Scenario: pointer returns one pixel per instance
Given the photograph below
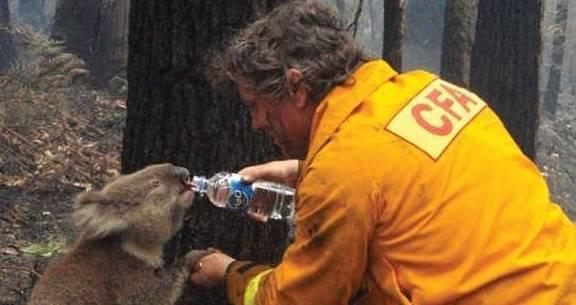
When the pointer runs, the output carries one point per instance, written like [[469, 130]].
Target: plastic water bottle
[[262, 199]]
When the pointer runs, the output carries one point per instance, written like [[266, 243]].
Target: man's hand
[[210, 271], [285, 171]]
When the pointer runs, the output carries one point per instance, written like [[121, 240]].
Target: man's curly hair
[[304, 35]]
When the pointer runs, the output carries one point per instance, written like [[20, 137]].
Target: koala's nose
[[181, 173]]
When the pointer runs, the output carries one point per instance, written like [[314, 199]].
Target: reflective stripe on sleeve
[[252, 288]]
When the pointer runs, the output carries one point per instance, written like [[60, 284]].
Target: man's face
[[286, 120]]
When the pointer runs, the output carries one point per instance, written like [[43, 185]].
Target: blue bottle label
[[240, 195]]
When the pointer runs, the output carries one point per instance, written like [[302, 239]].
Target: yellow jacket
[[414, 193]]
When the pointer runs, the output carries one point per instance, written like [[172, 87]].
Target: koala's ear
[[95, 217], [90, 197]]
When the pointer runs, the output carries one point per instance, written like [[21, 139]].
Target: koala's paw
[[194, 256]]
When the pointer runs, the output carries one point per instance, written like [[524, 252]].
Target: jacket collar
[[341, 101]]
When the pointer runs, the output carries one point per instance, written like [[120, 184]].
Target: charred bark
[[393, 33], [77, 24], [458, 40], [97, 31], [7, 52], [504, 68], [174, 115], [555, 74], [111, 41]]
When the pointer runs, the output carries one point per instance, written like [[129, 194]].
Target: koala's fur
[[118, 256]]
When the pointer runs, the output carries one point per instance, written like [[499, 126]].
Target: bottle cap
[[199, 184]]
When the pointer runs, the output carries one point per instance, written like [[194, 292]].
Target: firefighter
[[410, 189]]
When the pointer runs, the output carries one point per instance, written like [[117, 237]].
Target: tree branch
[[354, 23]]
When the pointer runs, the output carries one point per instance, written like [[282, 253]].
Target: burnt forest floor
[[59, 135]]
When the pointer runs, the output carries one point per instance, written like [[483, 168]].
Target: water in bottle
[[261, 199]]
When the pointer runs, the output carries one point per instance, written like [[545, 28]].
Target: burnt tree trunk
[[32, 13], [504, 67], [341, 6], [458, 40], [7, 52], [173, 115], [375, 8], [97, 31], [77, 24], [111, 41], [393, 33], [558, 42], [4, 14]]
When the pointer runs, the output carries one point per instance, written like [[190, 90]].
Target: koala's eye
[[155, 183]]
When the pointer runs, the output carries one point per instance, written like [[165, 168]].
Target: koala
[[117, 258]]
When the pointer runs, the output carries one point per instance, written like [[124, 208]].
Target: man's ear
[[297, 88]]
